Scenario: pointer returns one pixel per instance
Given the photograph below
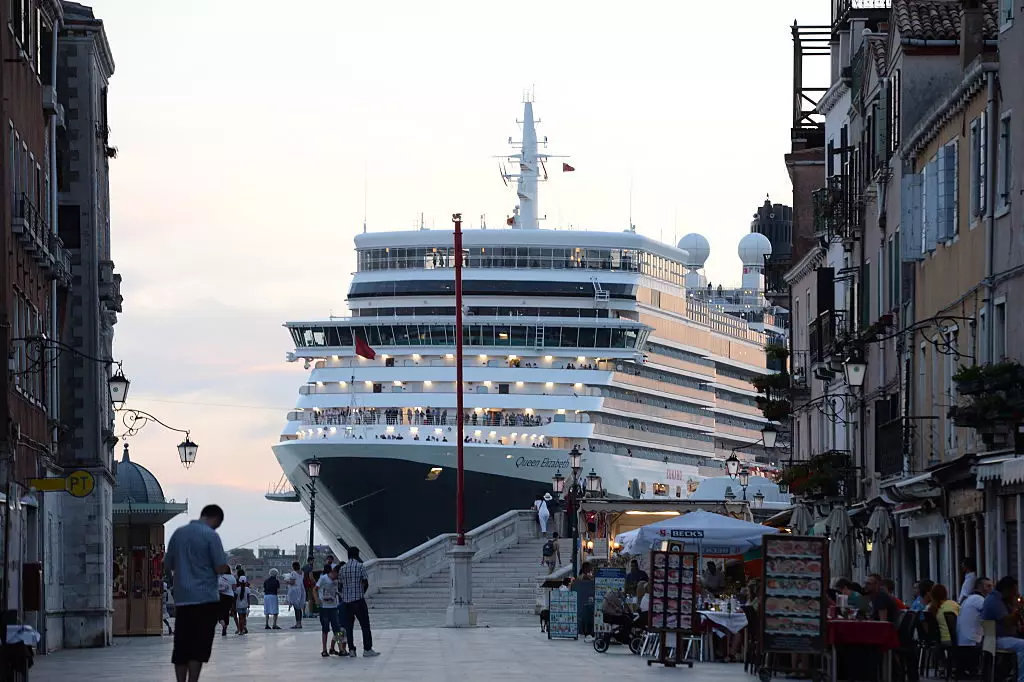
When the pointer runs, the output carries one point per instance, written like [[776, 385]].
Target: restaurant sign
[[926, 526]]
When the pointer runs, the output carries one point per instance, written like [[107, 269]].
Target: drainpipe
[[992, 129], [54, 401]]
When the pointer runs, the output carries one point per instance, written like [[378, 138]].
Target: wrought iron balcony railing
[[837, 210]]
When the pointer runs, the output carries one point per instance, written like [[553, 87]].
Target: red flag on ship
[[363, 349], [510, 221], [566, 168]]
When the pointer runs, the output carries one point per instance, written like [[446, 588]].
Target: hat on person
[[547, 497], [242, 579], [273, 572]]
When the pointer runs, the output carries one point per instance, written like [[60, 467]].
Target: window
[[894, 110], [978, 169], [1005, 11], [946, 183], [655, 298], [929, 205], [1004, 178], [999, 331]]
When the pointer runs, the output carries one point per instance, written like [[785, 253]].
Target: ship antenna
[[365, 194], [632, 227]]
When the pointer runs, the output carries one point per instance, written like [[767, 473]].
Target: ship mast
[[531, 171]]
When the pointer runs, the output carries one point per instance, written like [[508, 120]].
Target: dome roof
[[697, 249], [713, 489], [136, 483], [753, 248]]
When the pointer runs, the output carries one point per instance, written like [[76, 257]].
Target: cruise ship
[[572, 338]]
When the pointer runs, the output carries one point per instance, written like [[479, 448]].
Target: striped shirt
[[351, 577]]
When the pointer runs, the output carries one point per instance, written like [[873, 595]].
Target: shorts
[[227, 607], [330, 619], [193, 634], [242, 610]]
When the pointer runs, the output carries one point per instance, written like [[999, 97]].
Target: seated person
[[614, 611], [1002, 607], [713, 579], [940, 605]]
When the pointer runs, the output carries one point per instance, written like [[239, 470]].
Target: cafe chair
[[957, 657], [931, 654], [993, 659], [906, 658]]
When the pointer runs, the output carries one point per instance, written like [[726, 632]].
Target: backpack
[[549, 549]]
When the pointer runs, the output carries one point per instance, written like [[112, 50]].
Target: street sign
[[77, 483]]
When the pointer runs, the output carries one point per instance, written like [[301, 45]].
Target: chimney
[[972, 36]]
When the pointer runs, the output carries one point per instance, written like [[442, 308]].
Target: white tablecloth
[[24, 634], [733, 622]]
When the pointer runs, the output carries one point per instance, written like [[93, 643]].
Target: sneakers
[[369, 653], [352, 653]]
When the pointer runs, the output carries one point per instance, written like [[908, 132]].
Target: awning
[[1013, 470], [780, 520], [913, 479], [991, 468], [907, 508]]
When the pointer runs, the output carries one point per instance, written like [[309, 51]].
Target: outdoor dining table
[[876, 635], [722, 622]]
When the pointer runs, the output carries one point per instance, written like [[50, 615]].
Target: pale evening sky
[[245, 130]]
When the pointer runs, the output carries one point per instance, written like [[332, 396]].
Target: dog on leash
[[545, 620]]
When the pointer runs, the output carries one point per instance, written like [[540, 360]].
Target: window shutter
[[954, 187], [882, 125], [910, 220], [865, 296], [982, 163], [931, 206]]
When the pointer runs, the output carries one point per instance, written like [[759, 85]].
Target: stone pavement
[[421, 654]]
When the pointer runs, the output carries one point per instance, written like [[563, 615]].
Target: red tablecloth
[[863, 632]]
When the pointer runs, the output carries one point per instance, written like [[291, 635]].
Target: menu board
[[606, 580], [793, 598], [562, 615], [673, 588]]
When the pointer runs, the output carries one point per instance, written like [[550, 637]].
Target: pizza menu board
[[793, 597], [673, 588], [562, 615], [606, 580]]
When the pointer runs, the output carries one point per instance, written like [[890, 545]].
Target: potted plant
[[776, 351], [970, 380], [778, 381], [774, 410]]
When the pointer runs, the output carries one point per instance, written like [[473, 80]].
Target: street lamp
[[313, 469], [769, 436], [744, 480], [118, 385], [135, 420], [576, 488], [783, 487], [187, 451], [558, 482], [732, 466], [855, 370], [575, 459], [729, 494], [758, 501], [594, 486]]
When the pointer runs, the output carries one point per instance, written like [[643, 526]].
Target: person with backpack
[[549, 553]]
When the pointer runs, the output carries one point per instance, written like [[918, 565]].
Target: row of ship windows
[[491, 311], [521, 257], [630, 396], [486, 287], [473, 335], [668, 351], [623, 422]]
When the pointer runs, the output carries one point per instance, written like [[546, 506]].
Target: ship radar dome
[[753, 248], [697, 248]]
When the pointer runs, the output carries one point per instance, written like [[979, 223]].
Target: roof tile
[[938, 19]]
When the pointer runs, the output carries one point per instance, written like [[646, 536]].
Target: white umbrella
[[800, 522], [880, 526], [838, 523]]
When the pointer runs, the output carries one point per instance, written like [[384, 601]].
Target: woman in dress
[[242, 603], [296, 593], [270, 603], [543, 513]]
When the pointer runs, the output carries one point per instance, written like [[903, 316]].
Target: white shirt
[[968, 623], [328, 591], [226, 584], [645, 602], [968, 586]]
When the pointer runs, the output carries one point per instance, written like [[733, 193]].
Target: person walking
[[195, 557], [354, 584], [543, 513], [296, 593], [271, 607], [242, 593], [550, 553], [325, 592], [226, 587]]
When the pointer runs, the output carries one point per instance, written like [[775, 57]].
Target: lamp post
[[135, 420], [744, 478], [769, 436], [758, 500], [855, 370], [313, 468], [732, 466], [575, 489]]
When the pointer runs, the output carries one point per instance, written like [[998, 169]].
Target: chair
[[956, 655], [931, 653], [991, 656], [906, 657], [752, 644]]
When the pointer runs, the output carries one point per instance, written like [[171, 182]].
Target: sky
[[254, 140]]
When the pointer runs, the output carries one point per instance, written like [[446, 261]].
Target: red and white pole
[[459, 438]]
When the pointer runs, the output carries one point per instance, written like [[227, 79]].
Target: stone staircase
[[504, 591]]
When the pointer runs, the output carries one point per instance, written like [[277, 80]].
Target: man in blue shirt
[[1003, 607], [195, 557]]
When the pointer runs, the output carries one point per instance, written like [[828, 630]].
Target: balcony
[[824, 336], [871, 11], [800, 372], [889, 448], [110, 288], [33, 232], [837, 210]]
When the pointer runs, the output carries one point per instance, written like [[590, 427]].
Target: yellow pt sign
[[80, 483]]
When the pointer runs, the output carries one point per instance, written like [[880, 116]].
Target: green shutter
[[865, 296]]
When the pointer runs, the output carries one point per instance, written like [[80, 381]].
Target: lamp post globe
[[575, 459], [187, 451], [769, 436], [758, 501], [313, 467], [783, 487], [855, 370], [732, 466], [558, 482], [118, 385], [744, 477], [594, 483]]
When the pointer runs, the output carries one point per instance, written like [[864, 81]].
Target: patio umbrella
[[838, 523], [880, 526], [800, 522]]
